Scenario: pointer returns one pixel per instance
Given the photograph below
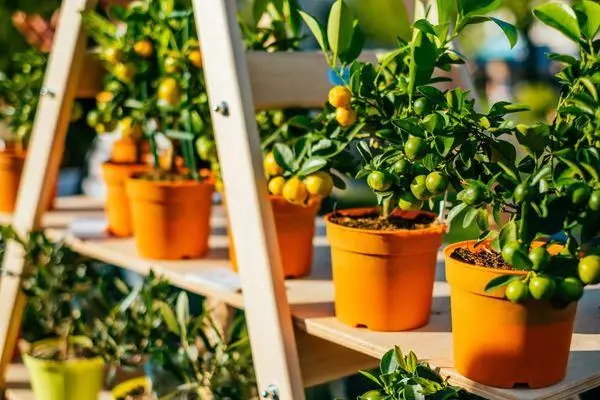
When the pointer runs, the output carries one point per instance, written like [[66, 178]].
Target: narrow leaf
[[559, 16], [316, 29]]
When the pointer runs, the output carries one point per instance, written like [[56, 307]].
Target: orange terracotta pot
[[499, 343], [295, 226], [118, 207], [125, 151], [11, 167], [171, 220], [383, 280]]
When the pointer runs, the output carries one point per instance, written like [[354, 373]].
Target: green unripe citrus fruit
[[517, 291], [589, 269], [510, 249], [418, 187], [542, 287], [402, 166], [580, 193], [415, 148], [379, 181], [594, 202], [570, 289], [436, 182], [522, 193], [540, 258], [473, 195], [422, 106]]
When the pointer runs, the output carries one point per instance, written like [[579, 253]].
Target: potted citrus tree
[[397, 112], [524, 279], [19, 94], [170, 204]]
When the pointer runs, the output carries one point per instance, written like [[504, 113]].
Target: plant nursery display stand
[[295, 337]]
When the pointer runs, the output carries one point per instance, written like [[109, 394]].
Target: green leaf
[[168, 316], [591, 88], [533, 139], [504, 107], [468, 7], [422, 62], [508, 233], [588, 17], [388, 363], [166, 6], [311, 165], [425, 26], [284, 156], [453, 213], [259, 7], [559, 16], [371, 377], [433, 94], [444, 9], [356, 46], [470, 217], [340, 26], [509, 31], [521, 261], [316, 29], [183, 310], [563, 58], [499, 282]]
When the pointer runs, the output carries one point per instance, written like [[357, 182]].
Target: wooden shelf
[[67, 210], [311, 302]]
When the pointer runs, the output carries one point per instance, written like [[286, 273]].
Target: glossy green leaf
[[312, 165], [588, 17], [356, 46], [316, 29], [340, 26], [469, 7], [425, 26], [499, 282], [563, 58], [454, 211], [183, 310], [469, 218], [422, 61], [559, 16], [168, 316], [284, 156]]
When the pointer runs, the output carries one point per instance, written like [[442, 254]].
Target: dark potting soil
[[137, 393], [483, 257], [76, 351], [375, 222]]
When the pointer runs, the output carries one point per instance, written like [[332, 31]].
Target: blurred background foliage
[[11, 40]]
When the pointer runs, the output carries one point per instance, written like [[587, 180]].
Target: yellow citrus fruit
[[124, 72], [130, 129], [276, 185], [271, 166], [345, 116], [294, 191], [169, 91], [112, 55], [319, 184], [143, 48], [340, 97], [104, 97], [195, 58]]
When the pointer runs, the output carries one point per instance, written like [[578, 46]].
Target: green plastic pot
[[79, 379]]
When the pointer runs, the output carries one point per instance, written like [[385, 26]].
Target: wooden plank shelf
[[311, 302]]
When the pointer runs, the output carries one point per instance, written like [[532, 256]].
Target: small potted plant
[[19, 94], [64, 365], [515, 290], [401, 377], [170, 205], [395, 114]]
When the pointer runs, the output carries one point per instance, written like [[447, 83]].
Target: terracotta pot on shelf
[[171, 219], [118, 207], [295, 226], [11, 167], [499, 343], [383, 280]]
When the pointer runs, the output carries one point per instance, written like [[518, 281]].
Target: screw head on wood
[[44, 91], [221, 108], [270, 392]]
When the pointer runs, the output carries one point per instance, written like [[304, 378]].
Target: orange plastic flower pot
[[295, 226], [383, 280], [171, 220], [11, 166], [125, 151], [499, 343], [118, 207]]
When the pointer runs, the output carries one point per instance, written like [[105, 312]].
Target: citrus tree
[[419, 141]]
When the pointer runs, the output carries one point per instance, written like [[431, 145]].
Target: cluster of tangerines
[[295, 189], [340, 97], [169, 91]]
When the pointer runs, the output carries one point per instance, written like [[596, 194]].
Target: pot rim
[[53, 341], [433, 228], [468, 243], [164, 183]]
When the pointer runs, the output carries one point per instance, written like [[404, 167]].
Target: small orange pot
[[11, 166], [171, 220], [118, 208], [295, 227], [383, 280], [499, 343]]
